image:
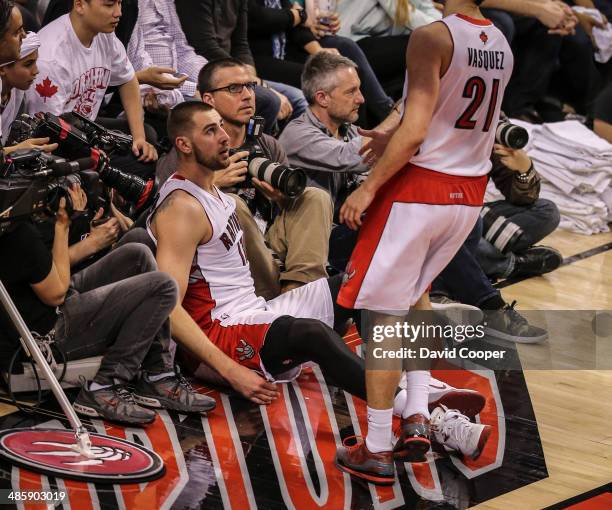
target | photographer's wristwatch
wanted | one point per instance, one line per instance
(526, 177)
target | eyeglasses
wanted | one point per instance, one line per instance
(236, 88)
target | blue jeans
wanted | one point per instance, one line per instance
(377, 100)
(536, 220)
(342, 241)
(463, 279)
(295, 96)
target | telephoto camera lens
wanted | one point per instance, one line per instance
(511, 135)
(131, 187)
(290, 181)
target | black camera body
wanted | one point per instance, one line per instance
(32, 184)
(290, 181)
(78, 137)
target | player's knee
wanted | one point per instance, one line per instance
(311, 333)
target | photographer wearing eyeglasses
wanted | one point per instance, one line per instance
(297, 229)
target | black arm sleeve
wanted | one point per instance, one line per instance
(240, 42)
(301, 36)
(196, 17)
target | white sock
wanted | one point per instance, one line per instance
(157, 377)
(400, 402)
(417, 388)
(380, 433)
(94, 386)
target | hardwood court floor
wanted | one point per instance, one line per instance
(572, 407)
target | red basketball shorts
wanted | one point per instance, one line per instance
(417, 222)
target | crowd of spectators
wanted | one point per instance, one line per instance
(325, 84)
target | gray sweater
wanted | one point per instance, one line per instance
(328, 161)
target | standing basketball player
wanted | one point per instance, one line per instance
(422, 198)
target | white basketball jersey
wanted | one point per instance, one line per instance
(462, 131)
(220, 281)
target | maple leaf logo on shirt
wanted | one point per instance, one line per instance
(46, 89)
(483, 37)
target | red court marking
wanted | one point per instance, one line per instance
(286, 450)
(226, 453)
(29, 481)
(423, 475)
(78, 495)
(601, 502)
(156, 492)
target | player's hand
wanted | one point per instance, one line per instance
(375, 145)
(514, 159)
(285, 106)
(160, 77)
(355, 205)
(235, 173)
(144, 150)
(251, 385)
(78, 197)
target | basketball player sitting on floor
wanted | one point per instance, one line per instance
(199, 243)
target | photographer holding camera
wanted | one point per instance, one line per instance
(118, 308)
(298, 228)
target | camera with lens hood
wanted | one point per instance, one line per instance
(510, 135)
(32, 184)
(80, 138)
(290, 181)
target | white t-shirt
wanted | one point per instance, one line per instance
(9, 113)
(72, 77)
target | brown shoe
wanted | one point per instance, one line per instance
(358, 461)
(413, 442)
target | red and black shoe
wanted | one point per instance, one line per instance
(357, 460)
(413, 442)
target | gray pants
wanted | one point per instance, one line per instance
(118, 307)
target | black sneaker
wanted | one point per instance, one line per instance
(536, 261)
(507, 324)
(114, 404)
(173, 392)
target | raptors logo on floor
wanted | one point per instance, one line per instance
(281, 456)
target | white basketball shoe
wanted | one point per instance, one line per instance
(456, 432)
